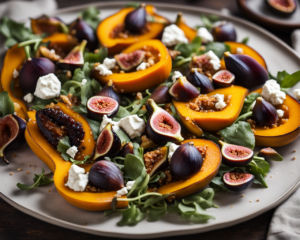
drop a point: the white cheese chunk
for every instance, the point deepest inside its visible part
(83, 82)
(48, 87)
(106, 120)
(173, 35)
(214, 60)
(28, 97)
(15, 73)
(271, 92)
(176, 75)
(280, 113)
(72, 151)
(239, 51)
(205, 35)
(77, 179)
(129, 184)
(296, 94)
(109, 63)
(52, 51)
(220, 104)
(123, 191)
(103, 70)
(142, 66)
(132, 125)
(172, 149)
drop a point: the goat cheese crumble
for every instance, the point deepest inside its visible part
(83, 82)
(173, 35)
(142, 66)
(106, 120)
(133, 126)
(129, 184)
(48, 87)
(103, 70)
(77, 179)
(72, 151)
(220, 104)
(15, 73)
(296, 94)
(109, 63)
(176, 75)
(239, 51)
(123, 191)
(205, 35)
(271, 92)
(28, 97)
(280, 113)
(213, 59)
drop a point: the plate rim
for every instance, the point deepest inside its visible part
(194, 230)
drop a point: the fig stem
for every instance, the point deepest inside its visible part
(227, 54)
(64, 28)
(178, 18)
(27, 52)
(139, 197)
(243, 117)
(33, 41)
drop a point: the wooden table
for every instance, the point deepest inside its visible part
(17, 225)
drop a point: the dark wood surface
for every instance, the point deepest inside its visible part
(17, 225)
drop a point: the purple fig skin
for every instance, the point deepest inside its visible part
(127, 149)
(224, 32)
(161, 95)
(32, 70)
(82, 31)
(201, 81)
(244, 183)
(183, 90)
(108, 91)
(248, 72)
(19, 139)
(106, 175)
(282, 10)
(264, 113)
(135, 21)
(186, 161)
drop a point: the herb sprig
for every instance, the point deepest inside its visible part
(39, 180)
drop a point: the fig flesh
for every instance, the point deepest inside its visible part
(185, 162)
(156, 160)
(248, 72)
(223, 32)
(108, 91)
(237, 181)
(106, 176)
(236, 156)
(127, 61)
(270, 154)
(162, 127)
(183, 90)
(264, 113)
(82, 31)
(74, 59)
(282, 7)
(48, 25)
(98, 106)
(32, 70)
(135, 21)
(12, 129)
(200, 81)
(108, 143)
(223, 79)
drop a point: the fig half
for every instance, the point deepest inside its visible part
(264, 113)
(12, 130)
(161, 127)
(108, 91)
(127, 61)
(282, 7)
(248, 72)
(156, 160)
(186, 161)
(183, 90)
(223, 79)
(237, 181)
(236, 156)
(98, 106)
(108, 143)
(270, 154)
(201, 81)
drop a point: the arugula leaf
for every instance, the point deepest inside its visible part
(41, 103)
(258, 165)
(239, 133)
(154, 199)
(91, 16)
(206, 21)
(290, 80)
(217, 47)
(122, 135)
(211, 137)
(63, 145)
(133, 4)
(248, 102)
(281, 76)
(129, 216)
(98, 56)
(155, 214)
(39, 180)
(95, 126)
(133, 167)
(213, 18)
(122, 112)
(245, 40)
(73, 87)
(84, 161)
(6, 104)
(218, 185)
(259, 179)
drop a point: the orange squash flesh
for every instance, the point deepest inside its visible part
(189, 32)
(284, 134)
(199, 181)
(213, 121)
(247, 51)
(144, 79)
(64, 41)
(116, 45)
(52, 158)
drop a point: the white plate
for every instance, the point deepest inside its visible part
(283, 179)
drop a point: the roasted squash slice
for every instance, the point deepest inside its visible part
(284, 134)
(195, 121)
(116, 45)
(144, 79)
(210, 167)
(52, 158)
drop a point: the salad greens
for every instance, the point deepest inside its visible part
(6, 104)
(39, 180)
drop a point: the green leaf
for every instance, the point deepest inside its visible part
(73, 87)
(63, 145)
(248, 102)
(91, 16)
(224, 168)
(212, 137)
(133, 4)
(122, 112)
(290, 80)
(153, 200)
(39, 180)
(239, 133)
(98, 56)
(140, 184)
(186, 209)
(84, 161)
(217, 47)
(86, 92)
(213, 18)
(218, 184)
(207, 23)
(258, 165)
(128, 216)
(281, 76)
(95, 85)
(133, 166)
(200, 215)
(155, 214)
(259, 179)
(245, 40)
(122, 135)
(6, 104)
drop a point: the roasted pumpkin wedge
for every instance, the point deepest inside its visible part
(209, 169)
(52, 158)
(189, 32)
(285, 133)
(116, 44)
(247, 51)
(144, 79)
(196, 122)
